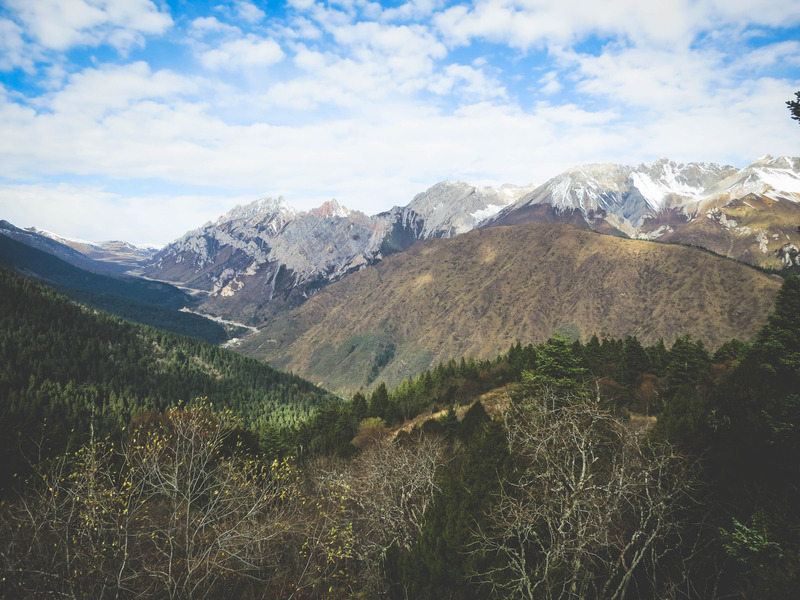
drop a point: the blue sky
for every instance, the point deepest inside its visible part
(142, 119)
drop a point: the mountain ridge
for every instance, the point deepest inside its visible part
(265, 257)
(476, 294)
(749, 214)
(261, 259)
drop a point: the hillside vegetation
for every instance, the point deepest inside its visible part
(564, 496)
(478, 293)
(64, 366)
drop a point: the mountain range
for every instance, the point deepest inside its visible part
(750, 214)
(261, 263)
(262, 259)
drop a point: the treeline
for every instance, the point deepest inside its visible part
(64, 366)
(623, 375)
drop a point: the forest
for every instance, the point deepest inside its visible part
(154, 466)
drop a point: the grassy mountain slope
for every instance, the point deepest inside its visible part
(477, 293)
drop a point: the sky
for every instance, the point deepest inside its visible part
(143, 119)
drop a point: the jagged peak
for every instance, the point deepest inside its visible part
(262, 207)
(331, 208)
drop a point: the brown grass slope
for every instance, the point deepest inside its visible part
(475, 294)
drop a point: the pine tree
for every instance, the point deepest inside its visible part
(558, 370)
(794, 106)
(379, 402)
(358, 407)
(636, 360)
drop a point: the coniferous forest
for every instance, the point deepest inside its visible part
(143, 464)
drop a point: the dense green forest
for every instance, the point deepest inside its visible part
(64, 366)
(151, 303)
(604, 469)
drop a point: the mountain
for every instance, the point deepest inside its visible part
(750, 215)
(261, 259)
(113, 252)
(477, 293)
(54, 245)
(147, 302)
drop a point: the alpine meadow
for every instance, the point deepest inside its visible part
(399, 300)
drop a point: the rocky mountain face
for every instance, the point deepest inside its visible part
(261, 259)
(477, 293)
(751, 214)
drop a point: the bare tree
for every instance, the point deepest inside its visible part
(179, 511)
(375, 501)
(70, 533)
(594, 507)
(214, 514)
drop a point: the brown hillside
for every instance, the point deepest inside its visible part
(477, 293)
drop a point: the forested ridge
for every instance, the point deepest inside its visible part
(64, 365)
(606, 469)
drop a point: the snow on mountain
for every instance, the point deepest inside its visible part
(272, 254)
(620, 191)
(768, 176)
(449, 209)
(266, 256)
(716, 207)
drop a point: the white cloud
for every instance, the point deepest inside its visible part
(13, 51)
(536, 23)
(247, 52)
(474, 83)
(787, 52)
(249, 12)
(94, 214)
(63, 24)
(652, 78)
(550, 83)
(302, 28)
(202, 26)
(96, 92)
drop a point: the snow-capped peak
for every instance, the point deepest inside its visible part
(263, 207)
(770, 176)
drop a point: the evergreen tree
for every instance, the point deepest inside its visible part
(439, 565)
(689, 363)
(794, 106)
(593, 358)
(379, 402)
(558, 370)
(358, 407)
(658, 355)
(636, 361)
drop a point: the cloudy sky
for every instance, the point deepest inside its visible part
(142, 119)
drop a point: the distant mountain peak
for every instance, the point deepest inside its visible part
(329, 209)
(264, 208)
